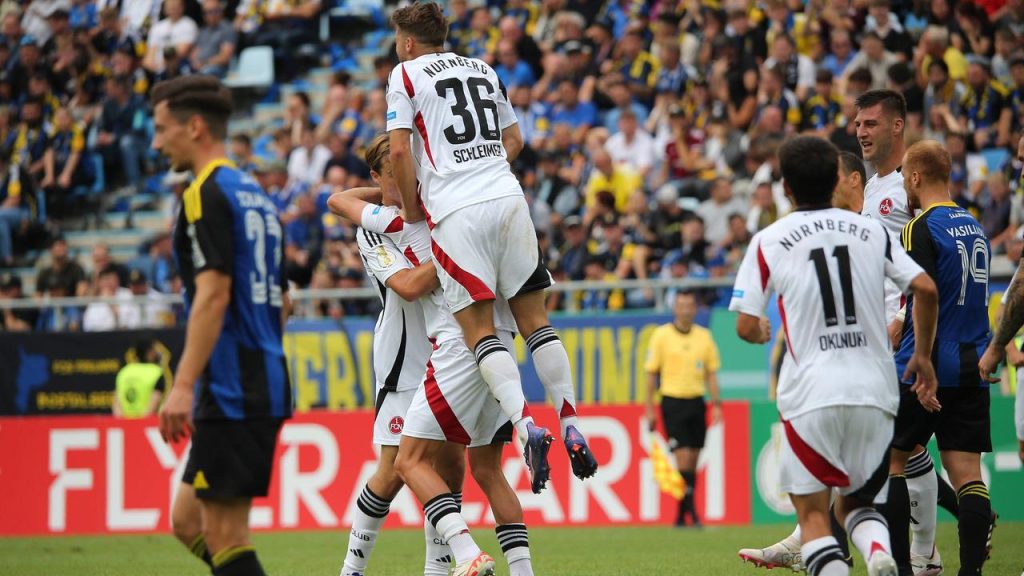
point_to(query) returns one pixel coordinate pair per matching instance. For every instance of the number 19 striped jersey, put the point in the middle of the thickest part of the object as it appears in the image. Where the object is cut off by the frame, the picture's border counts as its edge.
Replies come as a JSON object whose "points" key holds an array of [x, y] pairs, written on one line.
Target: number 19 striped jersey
{"points": [[456, 109], [825, 267]]}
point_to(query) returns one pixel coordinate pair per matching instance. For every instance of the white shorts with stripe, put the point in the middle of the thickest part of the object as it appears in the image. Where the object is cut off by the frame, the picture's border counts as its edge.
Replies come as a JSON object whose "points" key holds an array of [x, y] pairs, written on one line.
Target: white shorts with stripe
{"points": [[485, 249], [389, 419], [842, 447], [454, 404]]}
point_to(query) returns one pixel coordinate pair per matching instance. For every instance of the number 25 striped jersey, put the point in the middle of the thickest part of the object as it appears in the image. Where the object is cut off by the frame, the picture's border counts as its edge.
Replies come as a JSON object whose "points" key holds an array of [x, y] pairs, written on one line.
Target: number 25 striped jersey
{"points": [[456, 109], [825, 267]]}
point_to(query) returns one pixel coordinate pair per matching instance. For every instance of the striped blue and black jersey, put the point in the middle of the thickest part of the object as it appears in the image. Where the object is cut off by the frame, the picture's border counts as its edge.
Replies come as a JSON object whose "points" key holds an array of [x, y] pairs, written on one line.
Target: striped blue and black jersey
{"points": [[227, 223], [952, 248]]}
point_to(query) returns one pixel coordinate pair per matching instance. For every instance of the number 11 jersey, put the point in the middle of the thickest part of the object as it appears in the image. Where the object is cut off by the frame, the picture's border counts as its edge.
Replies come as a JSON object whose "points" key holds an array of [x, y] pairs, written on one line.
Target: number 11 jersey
{"points": [[456, 109], [828, 268]]}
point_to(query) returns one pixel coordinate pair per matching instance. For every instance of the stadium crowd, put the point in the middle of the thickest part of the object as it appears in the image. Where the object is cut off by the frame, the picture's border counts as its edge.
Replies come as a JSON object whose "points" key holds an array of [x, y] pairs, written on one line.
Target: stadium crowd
{"points": [[651, 126]]}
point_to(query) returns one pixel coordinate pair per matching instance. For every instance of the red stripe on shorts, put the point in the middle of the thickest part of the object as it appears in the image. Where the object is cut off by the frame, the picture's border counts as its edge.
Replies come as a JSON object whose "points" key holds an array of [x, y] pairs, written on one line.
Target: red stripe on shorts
{"points": [[477, 289], [815, 463], [450, 425]]}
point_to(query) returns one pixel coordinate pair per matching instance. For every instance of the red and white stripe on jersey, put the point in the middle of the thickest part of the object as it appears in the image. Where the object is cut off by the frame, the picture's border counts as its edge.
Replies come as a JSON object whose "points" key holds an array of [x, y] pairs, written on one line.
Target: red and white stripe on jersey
{"points": [[820, 263]]}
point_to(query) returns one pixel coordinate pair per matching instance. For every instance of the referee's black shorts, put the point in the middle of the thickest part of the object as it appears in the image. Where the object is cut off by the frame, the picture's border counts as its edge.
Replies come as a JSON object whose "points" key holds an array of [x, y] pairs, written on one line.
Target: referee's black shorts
{"points": [[232, 458], [685, 421], [963, 424]]}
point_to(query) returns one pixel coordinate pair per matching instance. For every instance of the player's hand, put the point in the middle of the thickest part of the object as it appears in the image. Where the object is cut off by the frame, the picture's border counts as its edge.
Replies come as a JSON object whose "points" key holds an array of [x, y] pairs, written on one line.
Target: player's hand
{"points": [[1014, 357], [989, 363], [652, 420], [925, 382], [895, 333], [176, 415], [716, 414], [766, 330]]}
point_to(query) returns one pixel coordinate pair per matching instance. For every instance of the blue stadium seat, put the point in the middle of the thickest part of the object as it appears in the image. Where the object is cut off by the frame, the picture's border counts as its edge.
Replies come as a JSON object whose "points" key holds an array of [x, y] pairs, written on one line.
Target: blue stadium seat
{"points": [[255, 69]]}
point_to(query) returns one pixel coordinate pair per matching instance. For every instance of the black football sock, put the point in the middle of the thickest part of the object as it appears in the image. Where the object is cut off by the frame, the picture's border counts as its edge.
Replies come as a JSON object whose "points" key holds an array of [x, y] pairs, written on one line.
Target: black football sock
{"points": [[839, 533], [689, 503], [199, 550], [897, 515], [947, 497], [975, 516], [239, 561]]}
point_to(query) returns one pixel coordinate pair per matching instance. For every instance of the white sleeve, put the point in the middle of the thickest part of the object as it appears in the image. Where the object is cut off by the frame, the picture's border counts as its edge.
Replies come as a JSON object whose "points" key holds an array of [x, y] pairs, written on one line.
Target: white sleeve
{"points": [[381, 219], [753, 282], [401, 109], [899, 266], [380, 255], [187, 33]]}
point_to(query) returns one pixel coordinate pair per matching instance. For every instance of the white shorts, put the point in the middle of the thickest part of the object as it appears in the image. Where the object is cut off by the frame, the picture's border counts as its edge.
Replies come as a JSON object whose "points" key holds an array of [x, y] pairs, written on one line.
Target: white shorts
{"points": [[389, 420], [842, 447], [454, 404], [486, 249]]}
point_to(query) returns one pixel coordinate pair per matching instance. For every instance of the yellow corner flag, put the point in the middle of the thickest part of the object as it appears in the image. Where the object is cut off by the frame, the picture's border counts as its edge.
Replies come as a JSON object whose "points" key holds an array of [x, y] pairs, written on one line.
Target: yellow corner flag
{"points": [[665, 473]]}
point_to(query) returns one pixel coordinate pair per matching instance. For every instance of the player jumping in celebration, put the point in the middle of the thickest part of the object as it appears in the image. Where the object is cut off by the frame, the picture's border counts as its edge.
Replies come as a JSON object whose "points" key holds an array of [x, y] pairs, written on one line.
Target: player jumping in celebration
{"points": [[837, 396], [453, 134], [951, 246], [400, 354], [470, 414], [231, 390]]}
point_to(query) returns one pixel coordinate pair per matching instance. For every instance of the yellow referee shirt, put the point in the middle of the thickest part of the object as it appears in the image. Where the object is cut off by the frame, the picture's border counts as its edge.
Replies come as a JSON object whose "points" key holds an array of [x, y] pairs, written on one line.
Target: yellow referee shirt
{"points": [[682, 360]]}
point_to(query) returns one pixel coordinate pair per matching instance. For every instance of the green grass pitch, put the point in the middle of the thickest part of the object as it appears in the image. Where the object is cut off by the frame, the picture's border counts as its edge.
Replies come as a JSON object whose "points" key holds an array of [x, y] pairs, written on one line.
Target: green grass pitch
{"points": [[622, 551]]}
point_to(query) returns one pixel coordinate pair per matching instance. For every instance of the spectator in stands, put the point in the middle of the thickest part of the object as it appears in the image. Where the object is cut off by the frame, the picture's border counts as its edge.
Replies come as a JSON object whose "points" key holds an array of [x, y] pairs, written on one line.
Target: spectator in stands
{"points": [[150, 313], [24, 151], [286, 25], [716, 210], [617, 179], [125, 62], [638, 66], [551, 189], [22, 319], [622, 100], [995, 213], [157, 262], [573, 251], [101, 260], [83, 15], [986, 113], [596, 270], [29, 61], [511, 70], [308, 161], [764, 211], [683, 160], [111, 34], [773, 93], [215, 43], [106, 316], [694, 247], [522, 39], [176, 31], [60, 318], [1006, 44], [304, 238], [241, 153], [298, 115], [840, 54], [887, 26], [482, 37], [733, 246], [581, 116], [62, 274], [935, 45], [66, 168], [121, 126], [632, 146], [875, 58], [796, 69], [175, 64], [59, 27]]}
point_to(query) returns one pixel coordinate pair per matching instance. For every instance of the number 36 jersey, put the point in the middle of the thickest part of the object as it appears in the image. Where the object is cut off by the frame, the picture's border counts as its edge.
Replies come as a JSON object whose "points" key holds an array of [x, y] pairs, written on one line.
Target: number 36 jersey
{"points": [[456, 109], [828, 268]]}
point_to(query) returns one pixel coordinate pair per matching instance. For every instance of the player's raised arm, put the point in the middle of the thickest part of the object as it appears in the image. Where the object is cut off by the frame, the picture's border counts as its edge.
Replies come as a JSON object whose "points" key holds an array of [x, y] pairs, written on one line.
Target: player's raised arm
{"points": [[404, 168], [349, 204]]}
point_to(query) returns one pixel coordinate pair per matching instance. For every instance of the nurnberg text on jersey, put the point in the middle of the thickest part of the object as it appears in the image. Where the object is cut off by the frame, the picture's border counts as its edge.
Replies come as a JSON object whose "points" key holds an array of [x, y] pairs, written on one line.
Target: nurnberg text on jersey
{"points": [[823, 225], [437, 66], [477, 152]]}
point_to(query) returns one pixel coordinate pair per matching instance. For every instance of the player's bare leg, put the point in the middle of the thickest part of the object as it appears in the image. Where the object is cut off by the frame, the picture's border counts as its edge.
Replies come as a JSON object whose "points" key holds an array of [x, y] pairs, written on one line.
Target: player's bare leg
{"points": [[450, 465], [227, 536], [869, 533], [372, 510], [686, 463], [501, 372], [820, 551], [897, 510], [552, 365], [964, 470], [415, 465], [485, 465], [187, 523]]}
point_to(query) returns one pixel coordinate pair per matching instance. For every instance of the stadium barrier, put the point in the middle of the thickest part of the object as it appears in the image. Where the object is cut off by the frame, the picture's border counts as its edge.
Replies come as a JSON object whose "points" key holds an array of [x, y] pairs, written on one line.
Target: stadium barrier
{"points": [[95, 475]]}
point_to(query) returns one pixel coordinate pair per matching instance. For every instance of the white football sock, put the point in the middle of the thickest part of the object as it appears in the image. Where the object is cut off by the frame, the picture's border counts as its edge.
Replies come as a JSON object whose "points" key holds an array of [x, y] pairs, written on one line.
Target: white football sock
{"points": [[797, 534], [923, 485], [515, 544], [824, 557], [868, 531], [500, 371], [371, 512], [438, 559], [552, 365]]}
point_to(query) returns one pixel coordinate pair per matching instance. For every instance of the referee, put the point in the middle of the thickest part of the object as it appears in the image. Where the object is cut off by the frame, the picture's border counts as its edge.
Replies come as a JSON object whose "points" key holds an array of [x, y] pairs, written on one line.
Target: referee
{"points": [[231, 390], [683, 358]]}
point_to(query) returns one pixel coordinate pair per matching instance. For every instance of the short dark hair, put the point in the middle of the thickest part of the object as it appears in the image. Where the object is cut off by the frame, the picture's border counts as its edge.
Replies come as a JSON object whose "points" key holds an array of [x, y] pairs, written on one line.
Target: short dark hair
{"points": [[810, 169], [941, 64], [861, 76], [196, 95], [304, 98], [850, 163], [900, 73], [823, 76], [893, 103], [242, 138], [424, 21]]}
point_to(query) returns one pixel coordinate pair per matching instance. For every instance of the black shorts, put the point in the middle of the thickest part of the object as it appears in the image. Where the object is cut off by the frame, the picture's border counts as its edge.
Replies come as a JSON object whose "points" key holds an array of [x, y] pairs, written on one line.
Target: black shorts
{"points": [[963, 424], [232, 458], [685, 421]]}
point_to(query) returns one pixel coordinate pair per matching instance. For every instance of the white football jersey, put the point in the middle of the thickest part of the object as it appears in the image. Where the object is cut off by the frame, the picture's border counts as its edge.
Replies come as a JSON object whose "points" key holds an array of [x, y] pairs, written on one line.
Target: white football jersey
{"points": [[400, 345], [885, 200], [825, 267], [456, 109], [441, 324]]}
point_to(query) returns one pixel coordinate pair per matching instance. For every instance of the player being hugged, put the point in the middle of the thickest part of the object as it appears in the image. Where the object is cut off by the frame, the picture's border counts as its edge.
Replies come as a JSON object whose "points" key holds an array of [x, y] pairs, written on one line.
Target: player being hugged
{"points": [[453, 134], [231, 390], [837, 394]]}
